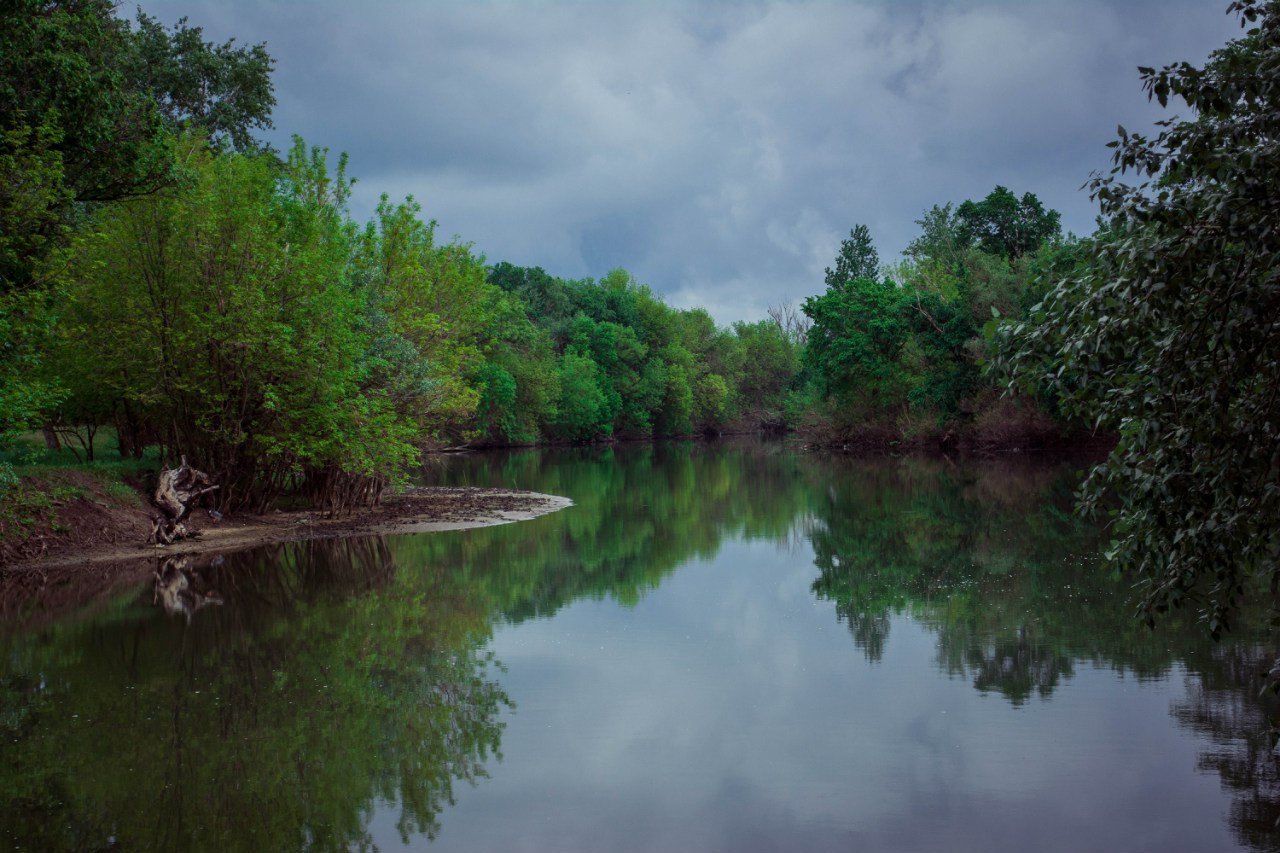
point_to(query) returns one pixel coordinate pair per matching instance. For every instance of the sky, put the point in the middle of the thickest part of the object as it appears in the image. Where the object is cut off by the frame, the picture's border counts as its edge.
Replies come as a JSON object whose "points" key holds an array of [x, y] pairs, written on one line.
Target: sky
{"points": [[718, 151]]}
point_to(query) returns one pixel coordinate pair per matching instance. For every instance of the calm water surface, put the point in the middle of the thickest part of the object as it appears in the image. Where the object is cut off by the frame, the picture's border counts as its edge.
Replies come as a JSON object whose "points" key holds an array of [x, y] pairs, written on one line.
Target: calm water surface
{"points": [[719, 647]]}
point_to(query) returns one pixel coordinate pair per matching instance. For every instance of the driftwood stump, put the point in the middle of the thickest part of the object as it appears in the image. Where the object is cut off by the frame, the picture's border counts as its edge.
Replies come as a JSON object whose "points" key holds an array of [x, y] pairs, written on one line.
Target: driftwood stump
{"points": [[177, 490]]}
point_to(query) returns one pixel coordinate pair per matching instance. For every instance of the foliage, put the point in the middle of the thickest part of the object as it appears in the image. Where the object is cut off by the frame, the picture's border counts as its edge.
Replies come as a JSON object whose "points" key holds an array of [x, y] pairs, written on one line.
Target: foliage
{"points": [[859, 331], [26, 324], [88, 110], [896, 359], [223, 315], [857, 259], [435, 298], [625, 364], [88, 107], [525, 353], [221, 91], [1168, 333], [1002, 224], [770, 360], [940, 241], [580, 415]]}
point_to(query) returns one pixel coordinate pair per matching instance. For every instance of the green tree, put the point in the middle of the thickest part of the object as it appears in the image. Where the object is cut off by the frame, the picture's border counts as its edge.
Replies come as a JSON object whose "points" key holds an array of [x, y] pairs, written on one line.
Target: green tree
{"points": [[87, 107], [857, 258], [1002, 224], [859, 331], [220, 90], [653, 370], [84, 121], [770, 360], [1168, 333], [675, 413], [527, 355], [940, 240], [438, 299], [225, 313], [582, 413]]}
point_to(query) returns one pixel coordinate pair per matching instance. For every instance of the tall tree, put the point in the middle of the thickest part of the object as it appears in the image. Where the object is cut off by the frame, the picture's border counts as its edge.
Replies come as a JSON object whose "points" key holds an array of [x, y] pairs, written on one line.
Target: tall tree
{"points": [[221, 90], [88, 111], [857, 259], [853, 349], [1002, 224], [1170, 333], [86, 108]]}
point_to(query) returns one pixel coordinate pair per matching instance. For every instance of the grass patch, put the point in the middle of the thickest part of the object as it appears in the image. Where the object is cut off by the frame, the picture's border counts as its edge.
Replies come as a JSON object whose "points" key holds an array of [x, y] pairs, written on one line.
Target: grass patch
{"points": [[25, 506], [35, 480]]}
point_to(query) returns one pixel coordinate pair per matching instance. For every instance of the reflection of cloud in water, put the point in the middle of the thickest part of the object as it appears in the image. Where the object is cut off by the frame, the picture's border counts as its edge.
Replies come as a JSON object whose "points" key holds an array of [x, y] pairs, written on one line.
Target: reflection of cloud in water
{"points": [[707, 718]]}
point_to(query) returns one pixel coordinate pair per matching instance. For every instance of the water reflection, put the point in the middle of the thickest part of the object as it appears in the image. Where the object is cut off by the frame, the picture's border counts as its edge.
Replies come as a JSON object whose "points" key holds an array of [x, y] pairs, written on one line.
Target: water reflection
{"points": [[273, 722], [991, 558], [1223, 706], [182, 588], [640, 512], [668, 629]]}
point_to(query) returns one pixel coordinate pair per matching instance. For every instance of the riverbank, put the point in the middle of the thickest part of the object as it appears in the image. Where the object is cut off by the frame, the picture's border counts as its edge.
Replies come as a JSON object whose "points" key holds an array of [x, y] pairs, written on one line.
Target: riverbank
{"points": [[89, 546], [74, 518]]}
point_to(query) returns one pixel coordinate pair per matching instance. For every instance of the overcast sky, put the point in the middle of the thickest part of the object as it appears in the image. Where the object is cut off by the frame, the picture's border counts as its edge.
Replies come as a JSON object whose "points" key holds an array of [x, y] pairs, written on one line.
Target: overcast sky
{"points": [[719, 151]]}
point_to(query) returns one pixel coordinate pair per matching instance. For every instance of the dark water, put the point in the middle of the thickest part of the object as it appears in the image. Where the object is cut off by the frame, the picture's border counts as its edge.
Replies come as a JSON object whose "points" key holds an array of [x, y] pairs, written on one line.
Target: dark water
{"points": [[730, 647]]}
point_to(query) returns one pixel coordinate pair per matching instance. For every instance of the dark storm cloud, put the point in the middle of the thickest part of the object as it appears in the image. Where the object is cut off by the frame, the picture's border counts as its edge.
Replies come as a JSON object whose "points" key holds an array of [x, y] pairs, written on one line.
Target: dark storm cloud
{"points": [[718, 151]]}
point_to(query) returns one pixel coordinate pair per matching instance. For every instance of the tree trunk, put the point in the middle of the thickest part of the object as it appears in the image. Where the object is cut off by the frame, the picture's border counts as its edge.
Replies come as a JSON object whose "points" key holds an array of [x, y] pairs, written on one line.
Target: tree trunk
{"points": [[177, 489]]}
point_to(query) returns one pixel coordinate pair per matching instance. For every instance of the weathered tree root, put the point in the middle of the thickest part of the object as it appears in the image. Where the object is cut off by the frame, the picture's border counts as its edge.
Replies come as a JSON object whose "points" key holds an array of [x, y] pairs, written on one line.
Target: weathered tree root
{"points": [[177, 489]]}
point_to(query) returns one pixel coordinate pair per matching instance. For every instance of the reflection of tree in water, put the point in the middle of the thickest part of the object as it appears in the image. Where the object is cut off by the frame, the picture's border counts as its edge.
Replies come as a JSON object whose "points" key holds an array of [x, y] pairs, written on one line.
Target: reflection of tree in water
{"points": [[940, 541], [1223, 705], [276, 721], [987, 556], [870, 632], [640, 512], [985, 560], [1014, 667]]}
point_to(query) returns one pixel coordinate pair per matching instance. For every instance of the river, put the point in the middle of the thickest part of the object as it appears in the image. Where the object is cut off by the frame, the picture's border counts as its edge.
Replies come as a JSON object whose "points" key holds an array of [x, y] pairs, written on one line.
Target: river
{"points": [[734, 646]]}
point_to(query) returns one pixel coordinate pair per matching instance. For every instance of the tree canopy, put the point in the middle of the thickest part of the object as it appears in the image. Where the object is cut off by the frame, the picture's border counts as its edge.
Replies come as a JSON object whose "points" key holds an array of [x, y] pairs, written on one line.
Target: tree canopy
{"points": [[893, 354], [1003, 224], [857, 259], [1166, 332], [87, 107], [90, 110]]}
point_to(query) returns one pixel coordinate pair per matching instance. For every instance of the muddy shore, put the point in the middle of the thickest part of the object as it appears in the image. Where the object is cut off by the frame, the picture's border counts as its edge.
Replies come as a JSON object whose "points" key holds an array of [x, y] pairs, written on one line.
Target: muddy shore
{"points": [[74, 570]]}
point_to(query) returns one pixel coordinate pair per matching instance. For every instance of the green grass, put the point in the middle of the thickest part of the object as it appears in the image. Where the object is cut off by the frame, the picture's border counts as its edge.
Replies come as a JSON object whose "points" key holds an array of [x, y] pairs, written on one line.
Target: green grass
{"points": [[28, 456], [34, 479]]}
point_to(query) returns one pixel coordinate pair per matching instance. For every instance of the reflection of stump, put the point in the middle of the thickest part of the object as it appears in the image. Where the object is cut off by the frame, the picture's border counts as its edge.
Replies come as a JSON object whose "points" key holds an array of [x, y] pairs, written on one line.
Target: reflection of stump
{"points": [[177, 489], [181, 589]]}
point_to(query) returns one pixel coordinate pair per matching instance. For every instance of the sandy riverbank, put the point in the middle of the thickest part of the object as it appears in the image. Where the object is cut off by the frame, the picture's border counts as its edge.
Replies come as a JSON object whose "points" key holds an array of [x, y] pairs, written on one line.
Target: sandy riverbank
{"points": [[110, 554], [419, 510]]}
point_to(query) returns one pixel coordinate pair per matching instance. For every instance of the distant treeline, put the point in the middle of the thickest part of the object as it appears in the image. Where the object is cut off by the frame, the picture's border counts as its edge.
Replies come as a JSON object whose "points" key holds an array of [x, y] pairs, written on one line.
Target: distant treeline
{"points": [[895, 353], [889, 356]]}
